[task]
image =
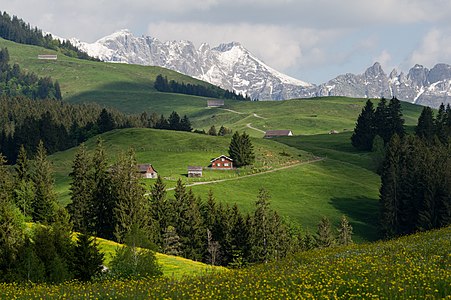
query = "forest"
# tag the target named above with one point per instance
(163, 85)
(16, 30)
(415, 169)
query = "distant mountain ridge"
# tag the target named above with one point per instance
(229, 66)
(233, 67)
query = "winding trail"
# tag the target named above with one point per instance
(248, 125)
(256, 174)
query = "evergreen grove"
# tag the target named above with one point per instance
(111, 201)
(163, 85)
(415, 192)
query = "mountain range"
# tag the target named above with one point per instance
(231, 66)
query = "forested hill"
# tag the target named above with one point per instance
(17, 30)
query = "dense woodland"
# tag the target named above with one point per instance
(163, 85)
(415, 193)
(16, 30)
(15, 82)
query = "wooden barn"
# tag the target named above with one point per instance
(194, 171)
(277, 133)
(147, 171)
(215, 103)
(222, 162)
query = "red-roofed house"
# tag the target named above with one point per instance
(222, 162)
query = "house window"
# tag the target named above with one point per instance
(222, 159)
(218, 164)
(226, 164)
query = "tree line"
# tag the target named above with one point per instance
(15, 82)
(17, 30)
(415, 192)
(163, 85)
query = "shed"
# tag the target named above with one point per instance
(222, 162)
(194, 171)
(147, 171)
(215, 103)
(276, 133)
(48, 56)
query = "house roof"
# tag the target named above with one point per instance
(226, 157)
(142, 168)
(215, 102)
(278, 132)
(194, 169)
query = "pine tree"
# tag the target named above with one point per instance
(82, 207)
(389, 197)
(24, 188)
(395, 120)
(6, 182)
(22, 165)
(248, 149)
(87, 259)
(344, 232)
(159, 207)
(131, 210)
(381, 117)
(425, 128)
(102, 196)
(44, 204)
(174, 121)
(212, 130)
(106, 122)
(241, 150)
(185, 124)
(260, 234)
(364, 130)
(440, 124)
(324, 236)
(58, 95)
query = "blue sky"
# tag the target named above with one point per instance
(312, 40)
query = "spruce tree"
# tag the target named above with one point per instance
(131, 209)
(440, 124)
(44, 204)
(87, 259)
(324, 235)
(171, 241)
(185, 124)
(344, 232)
(425, 128)
(248, 149)
(102, 195)
(81, 209)
(389, 197)
(212, 130)
(364, 130)
(260, 234)
(241, 150)
(159, 207)
(58, 95)
(6, 182)
(381, 117)
(174, 121)
(395, 120)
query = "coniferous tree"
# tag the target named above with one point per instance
(6, 182)
(44, 204)
(260, 234)
(171, 241)
(324, 235)
(212, 130)
(23, 187)
(378, 153)
(174, 121)
(81, 209)
(344, 232)
(395, 120)
(364, 130)
(381, 117)
(248, 149)
(131, 209)
(425, 128)
(58, 95)
(185, 124)
(102, 196)
(389, 198)
(241, 150)
(159, 207)
(106, 122)
(87, 259)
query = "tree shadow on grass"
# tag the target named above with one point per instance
(363, 213)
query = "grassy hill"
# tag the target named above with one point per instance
(412, 267)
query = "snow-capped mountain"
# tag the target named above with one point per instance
(420, 86)
(229, 66)
(233, 67)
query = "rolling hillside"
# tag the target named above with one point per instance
(412, 267)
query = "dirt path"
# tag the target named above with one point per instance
(251, 175)
(260, 117)
(234, 111)
(248, 125)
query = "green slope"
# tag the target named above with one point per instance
(412, 267)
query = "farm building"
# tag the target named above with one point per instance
(194, 171)
(48, 56)
(222, 162)
(215, 103)
(147, 171)
(276, 133)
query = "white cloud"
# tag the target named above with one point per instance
(384, 58)
(435, 47)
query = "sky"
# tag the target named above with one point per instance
(311, 40)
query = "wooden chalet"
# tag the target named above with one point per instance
(194, 171)
(215, 103)
(277, 133)
(147, 171)
(222, 162)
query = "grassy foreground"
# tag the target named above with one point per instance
(412, 267)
